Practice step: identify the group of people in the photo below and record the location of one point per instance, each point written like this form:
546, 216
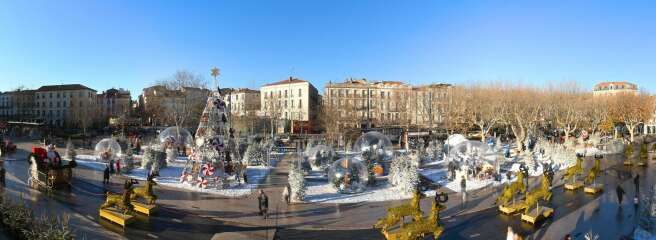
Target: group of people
109, 169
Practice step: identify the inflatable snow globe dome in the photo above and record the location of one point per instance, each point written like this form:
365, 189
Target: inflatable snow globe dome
454, 140
107, 149
320, 156
376, 143
348, 175
474, 150
176, 136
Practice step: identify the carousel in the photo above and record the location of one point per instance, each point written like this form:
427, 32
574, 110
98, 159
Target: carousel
48, 170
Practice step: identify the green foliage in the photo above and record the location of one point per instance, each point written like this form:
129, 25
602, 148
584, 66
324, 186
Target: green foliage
19, 221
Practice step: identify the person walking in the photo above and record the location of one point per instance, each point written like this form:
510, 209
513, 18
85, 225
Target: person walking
286, 193
118, 167
636, 183
263, 203
2, 176
620, 194
463, 188
111, 165
106, 175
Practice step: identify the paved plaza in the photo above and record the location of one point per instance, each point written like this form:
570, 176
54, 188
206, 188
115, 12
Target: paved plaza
201, 215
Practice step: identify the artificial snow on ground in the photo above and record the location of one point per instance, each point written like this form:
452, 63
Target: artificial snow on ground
170, 176
439, 176
324, 192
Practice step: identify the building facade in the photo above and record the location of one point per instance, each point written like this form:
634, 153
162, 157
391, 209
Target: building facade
613, 88
17, 105
293, 100
66, 105
160, 103
243, 102
114, 103
360, 103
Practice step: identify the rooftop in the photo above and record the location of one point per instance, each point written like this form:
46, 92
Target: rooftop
64, 87
622, 85
286, 81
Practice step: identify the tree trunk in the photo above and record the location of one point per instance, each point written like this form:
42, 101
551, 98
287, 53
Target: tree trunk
631, 131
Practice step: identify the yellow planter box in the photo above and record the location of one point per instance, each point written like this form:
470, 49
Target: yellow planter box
537, 215
512, 208
573, 186
113, 215
144, 208
594, 188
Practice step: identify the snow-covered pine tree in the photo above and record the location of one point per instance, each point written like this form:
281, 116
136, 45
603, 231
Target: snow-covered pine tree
254, 155
296, 183
404, 173
128, 160
157, 157
70, 150
146, 158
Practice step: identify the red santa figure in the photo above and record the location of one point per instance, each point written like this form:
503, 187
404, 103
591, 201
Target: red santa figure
53, 156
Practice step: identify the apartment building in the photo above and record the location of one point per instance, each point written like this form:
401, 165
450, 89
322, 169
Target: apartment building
243, 102
160, 102
356, 103
66, 105
17, 105
613, 88
294, 100
113, 103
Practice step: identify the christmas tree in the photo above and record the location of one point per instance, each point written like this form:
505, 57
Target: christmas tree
210, 161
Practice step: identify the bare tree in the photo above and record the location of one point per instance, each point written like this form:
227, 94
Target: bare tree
596, 112
188, 93
566, 108
525, 112
483, 107
632, 110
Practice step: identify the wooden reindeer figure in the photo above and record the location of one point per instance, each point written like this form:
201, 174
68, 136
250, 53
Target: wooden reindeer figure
120, 201
146, 191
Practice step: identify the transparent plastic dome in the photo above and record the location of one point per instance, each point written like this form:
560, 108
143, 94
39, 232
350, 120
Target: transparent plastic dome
108, 149
375, 142
320, 156
455, 139
177, 136
472, 150
348, 175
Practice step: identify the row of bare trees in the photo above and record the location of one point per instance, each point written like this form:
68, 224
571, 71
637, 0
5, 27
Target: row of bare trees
525, 110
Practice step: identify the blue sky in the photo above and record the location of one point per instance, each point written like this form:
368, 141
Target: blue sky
132, 44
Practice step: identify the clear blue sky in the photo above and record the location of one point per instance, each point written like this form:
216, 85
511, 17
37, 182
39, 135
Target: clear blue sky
132, 44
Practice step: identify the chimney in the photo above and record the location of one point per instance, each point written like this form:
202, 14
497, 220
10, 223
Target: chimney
290, 78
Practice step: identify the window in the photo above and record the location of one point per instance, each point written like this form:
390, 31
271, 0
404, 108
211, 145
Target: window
285, 93
50, 95
57, 95
299, 92
300, 103
58, 104
50, 104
